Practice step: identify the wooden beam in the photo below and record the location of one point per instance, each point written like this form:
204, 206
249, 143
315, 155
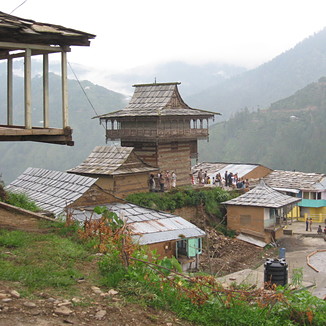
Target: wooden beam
64, 84
27, 89
9, 92
45, 90
23, 46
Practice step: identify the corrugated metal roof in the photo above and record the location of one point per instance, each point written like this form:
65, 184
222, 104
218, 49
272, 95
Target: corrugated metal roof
159, 99
263, 196
51, 190
296, 180
212, 169
149, 226
112, 160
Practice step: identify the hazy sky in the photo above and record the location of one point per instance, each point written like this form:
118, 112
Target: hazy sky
132, 33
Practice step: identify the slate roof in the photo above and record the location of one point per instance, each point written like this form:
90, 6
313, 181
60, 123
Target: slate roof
296, 180
213, 168
263, 196
52, 191
112, 160
157, 100
21, 30
148, 225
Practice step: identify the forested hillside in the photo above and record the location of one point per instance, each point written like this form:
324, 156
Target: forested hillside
87, 133
279, 78
290, 135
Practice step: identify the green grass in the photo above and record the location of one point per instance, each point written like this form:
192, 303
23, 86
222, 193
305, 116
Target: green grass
21, 200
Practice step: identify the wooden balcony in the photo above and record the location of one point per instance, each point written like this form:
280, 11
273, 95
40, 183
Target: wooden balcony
149, 134
37, 134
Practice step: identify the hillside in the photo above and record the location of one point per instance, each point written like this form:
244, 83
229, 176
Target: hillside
87, 133
279, 78
290, 135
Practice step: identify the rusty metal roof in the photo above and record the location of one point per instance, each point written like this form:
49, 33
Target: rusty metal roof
21, 30
159, 99
52, 191
112, 160
296, 180
263, 196
148, 225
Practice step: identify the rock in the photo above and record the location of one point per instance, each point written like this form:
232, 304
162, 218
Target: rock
75, 300
63, 311
113, 292
64, 303
169, 324
29, 304
96, 290
100, 314
4, 295
15, 294
6, 300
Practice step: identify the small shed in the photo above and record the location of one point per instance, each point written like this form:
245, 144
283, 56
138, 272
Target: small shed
118, 170
55, 191
168, 234
259, 212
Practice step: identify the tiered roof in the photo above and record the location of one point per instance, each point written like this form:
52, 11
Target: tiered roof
158, 99
112, 160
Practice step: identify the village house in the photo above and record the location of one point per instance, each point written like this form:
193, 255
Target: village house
117, 169
161, 127
310, 188
25, 38
260, 213
56, 192
169, 235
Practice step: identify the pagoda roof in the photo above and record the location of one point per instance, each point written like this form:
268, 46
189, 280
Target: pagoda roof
158, 99
14, 29
112, 160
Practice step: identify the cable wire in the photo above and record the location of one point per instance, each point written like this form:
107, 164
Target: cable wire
18, 7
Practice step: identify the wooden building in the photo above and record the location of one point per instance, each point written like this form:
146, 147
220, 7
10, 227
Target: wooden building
118, 170
161, 127
260, 212
170, 235
56, 192
25, 38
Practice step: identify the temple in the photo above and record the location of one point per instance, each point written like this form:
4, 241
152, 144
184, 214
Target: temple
161, 127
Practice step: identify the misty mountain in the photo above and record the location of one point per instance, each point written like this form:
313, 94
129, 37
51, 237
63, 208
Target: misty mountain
290, 135
87, 133
276, 79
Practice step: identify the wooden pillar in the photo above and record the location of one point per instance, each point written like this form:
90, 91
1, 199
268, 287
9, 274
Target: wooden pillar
45, 90
28, 88
64, 89
9, 92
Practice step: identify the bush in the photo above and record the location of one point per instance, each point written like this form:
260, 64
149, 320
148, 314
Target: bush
22, 201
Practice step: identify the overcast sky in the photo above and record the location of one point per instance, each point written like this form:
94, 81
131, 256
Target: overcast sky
132, 33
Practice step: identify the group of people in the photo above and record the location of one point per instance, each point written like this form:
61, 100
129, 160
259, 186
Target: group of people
309, 227
229, 180
165, 180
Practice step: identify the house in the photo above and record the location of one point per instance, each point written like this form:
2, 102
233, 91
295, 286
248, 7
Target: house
260, 212
168, 234
25, 38
117, 169
309, 187
243, 170
161, 127
56, 192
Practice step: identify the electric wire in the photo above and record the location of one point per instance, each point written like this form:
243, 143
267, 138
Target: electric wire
18, 7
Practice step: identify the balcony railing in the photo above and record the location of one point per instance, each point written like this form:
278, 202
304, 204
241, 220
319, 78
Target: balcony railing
156, 133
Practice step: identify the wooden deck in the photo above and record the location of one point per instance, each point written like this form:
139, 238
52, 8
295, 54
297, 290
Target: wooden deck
37, 134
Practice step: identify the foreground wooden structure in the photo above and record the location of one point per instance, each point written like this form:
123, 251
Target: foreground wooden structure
23, 38
161, 127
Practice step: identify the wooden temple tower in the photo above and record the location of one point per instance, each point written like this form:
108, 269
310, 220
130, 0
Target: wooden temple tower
161, 127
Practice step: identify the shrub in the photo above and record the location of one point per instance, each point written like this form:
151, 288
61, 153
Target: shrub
22, 201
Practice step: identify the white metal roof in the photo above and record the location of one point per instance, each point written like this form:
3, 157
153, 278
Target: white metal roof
148, 225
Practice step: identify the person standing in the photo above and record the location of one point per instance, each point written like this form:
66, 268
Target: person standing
161, 181
226, 178
174, 179
200, 176
310, 224
307, 224
152, 184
